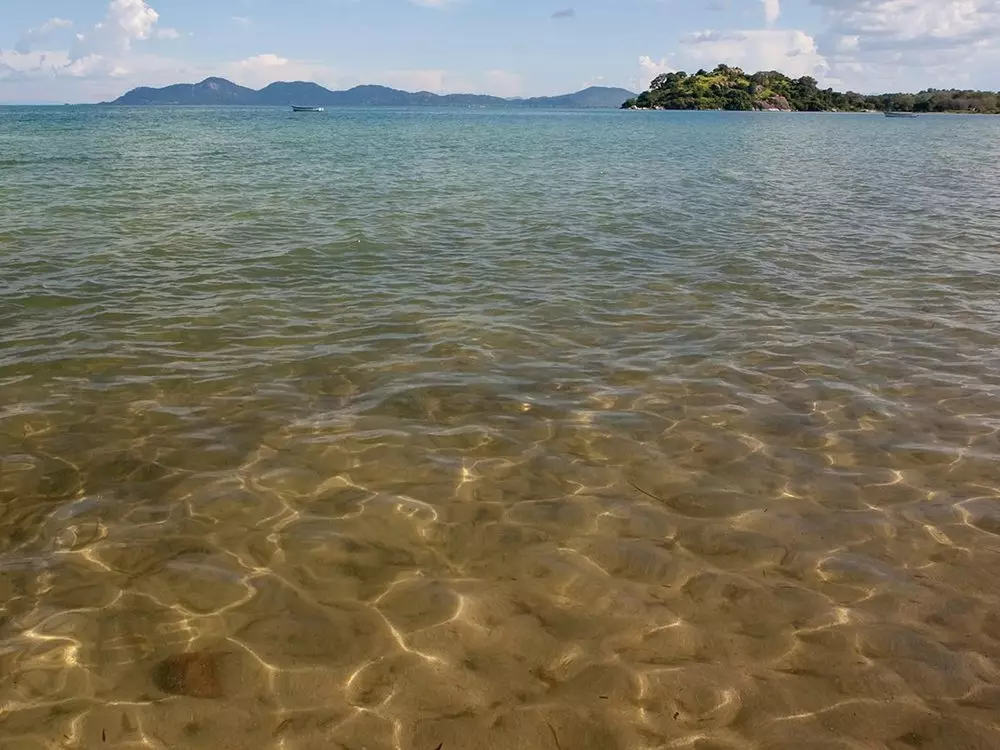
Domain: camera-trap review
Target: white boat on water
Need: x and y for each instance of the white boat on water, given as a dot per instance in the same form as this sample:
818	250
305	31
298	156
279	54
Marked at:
899	114
306	109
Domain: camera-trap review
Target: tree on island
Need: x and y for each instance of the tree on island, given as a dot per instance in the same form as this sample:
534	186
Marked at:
730	88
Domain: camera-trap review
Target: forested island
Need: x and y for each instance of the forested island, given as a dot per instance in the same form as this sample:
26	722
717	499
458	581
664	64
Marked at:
730	88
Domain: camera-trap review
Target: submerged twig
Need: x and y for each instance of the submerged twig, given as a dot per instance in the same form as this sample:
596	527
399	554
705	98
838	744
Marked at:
647	494
555	736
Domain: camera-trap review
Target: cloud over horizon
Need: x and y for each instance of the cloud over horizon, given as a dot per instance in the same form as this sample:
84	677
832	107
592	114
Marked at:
870	45
772	11
475	46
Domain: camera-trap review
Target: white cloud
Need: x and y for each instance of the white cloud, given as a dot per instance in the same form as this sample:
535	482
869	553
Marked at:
648	70
125	22
848	43
23	65
652	68
915	21
134	17
104	48
96	77
866	45
56	23
260	70
791	51
52	75
772	11
900	44
102	55
39	33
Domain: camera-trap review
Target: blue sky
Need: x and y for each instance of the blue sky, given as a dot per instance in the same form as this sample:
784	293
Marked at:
87	50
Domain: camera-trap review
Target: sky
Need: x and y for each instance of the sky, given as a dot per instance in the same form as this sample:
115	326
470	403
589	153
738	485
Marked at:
92	50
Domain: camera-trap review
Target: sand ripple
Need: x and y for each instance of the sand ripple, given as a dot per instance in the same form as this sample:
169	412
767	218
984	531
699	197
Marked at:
515	440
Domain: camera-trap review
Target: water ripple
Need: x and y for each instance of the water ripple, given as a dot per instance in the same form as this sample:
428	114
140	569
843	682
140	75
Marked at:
604	430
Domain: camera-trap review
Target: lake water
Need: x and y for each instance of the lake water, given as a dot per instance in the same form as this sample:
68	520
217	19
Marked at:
450	429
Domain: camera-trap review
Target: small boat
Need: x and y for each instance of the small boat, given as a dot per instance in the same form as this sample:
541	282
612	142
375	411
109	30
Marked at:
306	109
892	113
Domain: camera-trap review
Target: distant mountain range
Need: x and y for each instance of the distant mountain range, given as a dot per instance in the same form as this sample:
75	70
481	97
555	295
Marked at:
216	91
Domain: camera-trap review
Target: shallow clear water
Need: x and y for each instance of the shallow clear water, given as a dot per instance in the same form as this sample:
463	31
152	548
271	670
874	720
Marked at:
421	429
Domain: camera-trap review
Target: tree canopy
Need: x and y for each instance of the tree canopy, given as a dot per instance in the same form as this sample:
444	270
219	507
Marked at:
730	88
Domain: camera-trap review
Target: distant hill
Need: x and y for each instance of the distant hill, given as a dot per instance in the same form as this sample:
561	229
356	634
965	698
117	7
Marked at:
215	91
595	97
209	91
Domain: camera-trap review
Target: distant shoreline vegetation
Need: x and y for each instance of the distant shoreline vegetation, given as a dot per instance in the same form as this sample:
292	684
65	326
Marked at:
731	89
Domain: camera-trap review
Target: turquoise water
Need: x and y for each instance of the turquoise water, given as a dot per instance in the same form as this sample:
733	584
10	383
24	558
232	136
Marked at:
405	428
